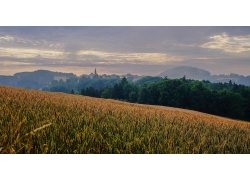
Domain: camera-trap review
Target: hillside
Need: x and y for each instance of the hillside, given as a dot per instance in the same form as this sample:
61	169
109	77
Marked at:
34	80
201	74
33	121
189	72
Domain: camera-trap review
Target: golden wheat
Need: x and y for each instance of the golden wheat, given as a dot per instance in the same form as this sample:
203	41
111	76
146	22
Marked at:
33	121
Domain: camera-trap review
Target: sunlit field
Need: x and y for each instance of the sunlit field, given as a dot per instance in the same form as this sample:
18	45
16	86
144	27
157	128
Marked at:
33	121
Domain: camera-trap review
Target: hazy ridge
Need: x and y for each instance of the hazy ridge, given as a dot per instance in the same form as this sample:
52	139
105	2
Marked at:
42	78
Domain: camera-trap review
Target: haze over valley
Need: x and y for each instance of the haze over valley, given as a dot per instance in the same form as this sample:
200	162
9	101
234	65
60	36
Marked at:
40	79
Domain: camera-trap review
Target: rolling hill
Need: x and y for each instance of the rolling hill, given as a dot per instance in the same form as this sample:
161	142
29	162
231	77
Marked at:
201	74
34	80
33	121
189	72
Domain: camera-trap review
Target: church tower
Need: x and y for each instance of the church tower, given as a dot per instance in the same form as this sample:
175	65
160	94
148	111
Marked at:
95	72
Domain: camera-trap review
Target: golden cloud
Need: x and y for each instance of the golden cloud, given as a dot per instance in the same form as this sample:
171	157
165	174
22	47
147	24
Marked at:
234	44
148	57
30	53
6	38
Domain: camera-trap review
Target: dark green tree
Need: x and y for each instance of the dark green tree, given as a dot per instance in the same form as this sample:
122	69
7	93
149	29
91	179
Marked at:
107	93
133	97
143	94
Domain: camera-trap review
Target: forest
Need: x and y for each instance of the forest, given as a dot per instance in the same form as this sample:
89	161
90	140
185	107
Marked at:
223	99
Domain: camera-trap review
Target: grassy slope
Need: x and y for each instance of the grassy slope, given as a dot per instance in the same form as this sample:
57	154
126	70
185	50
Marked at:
42	122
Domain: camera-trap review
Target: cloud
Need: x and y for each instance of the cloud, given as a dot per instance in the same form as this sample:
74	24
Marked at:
10	63
30	53
226	43
83	57
132	57
6	38
30	42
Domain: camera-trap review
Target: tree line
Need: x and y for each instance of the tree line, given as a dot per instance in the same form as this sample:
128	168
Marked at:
223	99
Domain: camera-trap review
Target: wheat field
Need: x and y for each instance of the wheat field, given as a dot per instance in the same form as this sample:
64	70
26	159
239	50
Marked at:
33	121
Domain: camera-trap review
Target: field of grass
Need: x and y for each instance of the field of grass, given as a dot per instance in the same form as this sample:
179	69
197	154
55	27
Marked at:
33	121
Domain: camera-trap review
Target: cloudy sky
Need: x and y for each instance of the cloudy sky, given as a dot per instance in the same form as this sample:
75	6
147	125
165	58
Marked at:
124	49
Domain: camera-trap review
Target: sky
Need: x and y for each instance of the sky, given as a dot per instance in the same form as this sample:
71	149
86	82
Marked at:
141	50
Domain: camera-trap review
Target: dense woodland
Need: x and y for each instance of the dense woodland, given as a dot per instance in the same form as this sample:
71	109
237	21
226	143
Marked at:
224	99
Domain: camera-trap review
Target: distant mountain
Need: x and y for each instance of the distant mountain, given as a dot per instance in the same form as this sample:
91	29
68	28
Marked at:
201	74
235	78
41	79
189	72
34	80
43	73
